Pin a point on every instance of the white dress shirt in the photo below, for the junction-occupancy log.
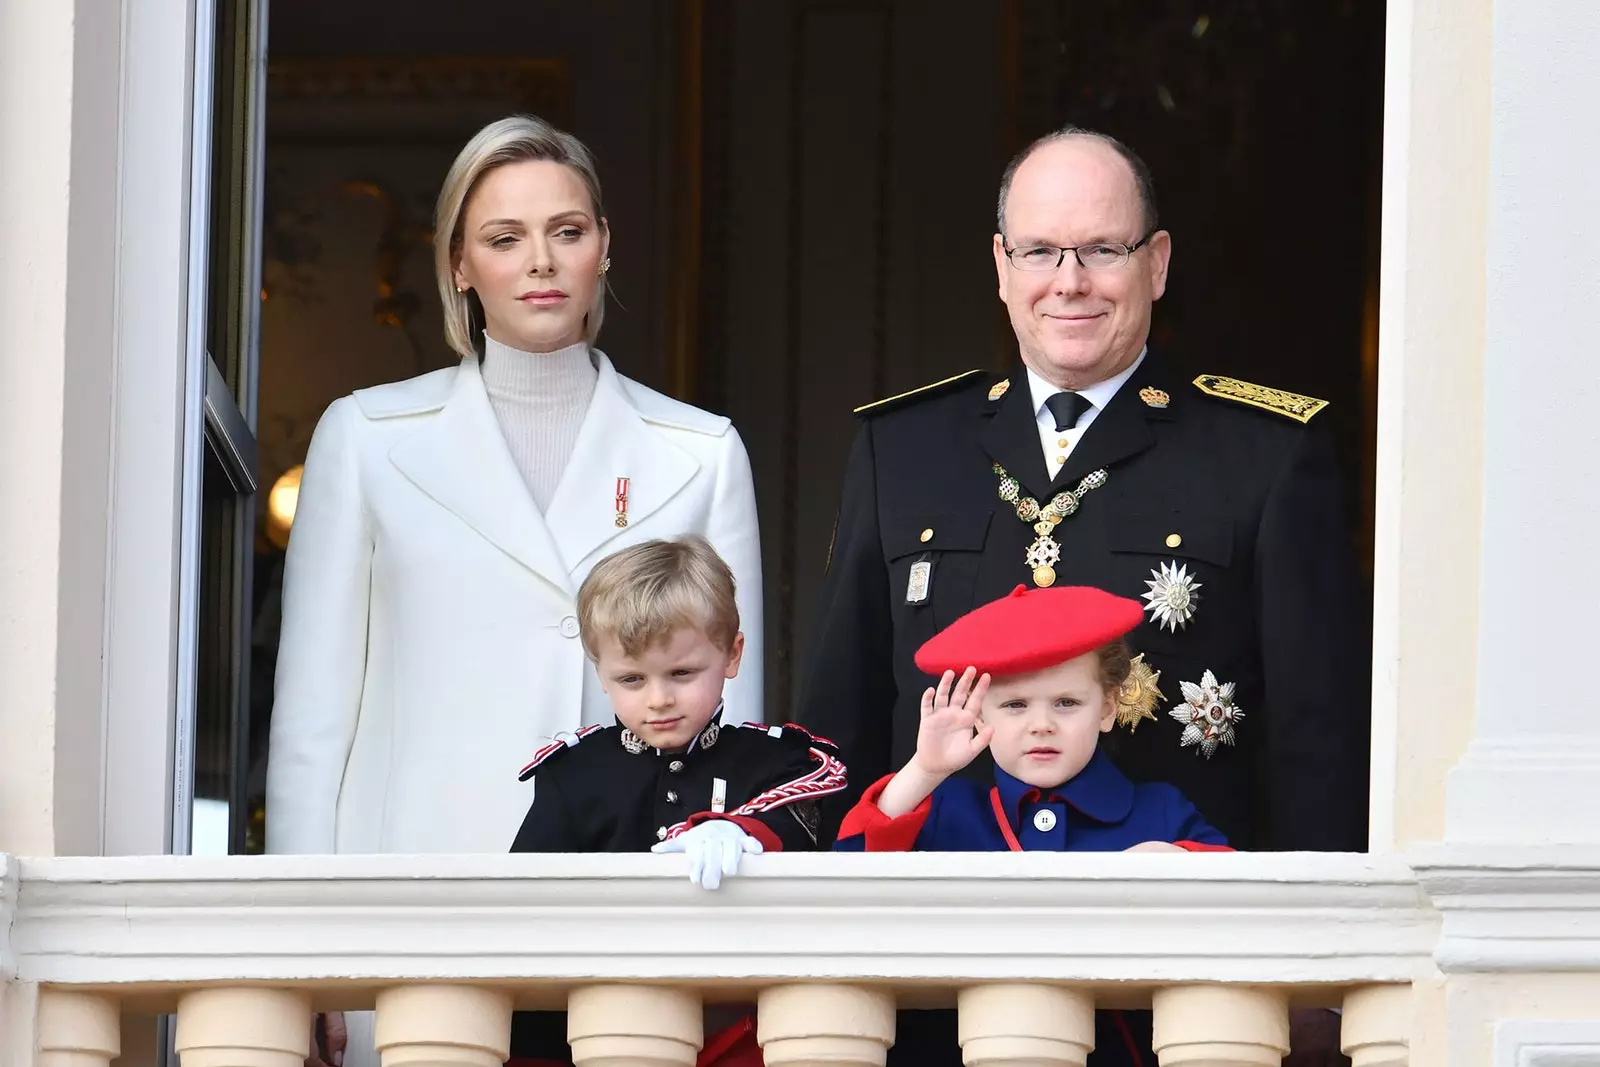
(1058, 444)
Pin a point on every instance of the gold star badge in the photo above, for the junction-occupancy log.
(998, 389)
(1156, 398)
(1140, 694)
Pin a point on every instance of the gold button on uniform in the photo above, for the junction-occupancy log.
(1061, 443)
(927, 535)
(1174, 540)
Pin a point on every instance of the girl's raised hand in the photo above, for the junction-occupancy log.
(950, 735)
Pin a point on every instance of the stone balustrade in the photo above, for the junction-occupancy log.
(822, 948)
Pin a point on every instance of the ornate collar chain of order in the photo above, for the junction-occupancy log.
(1044, 553)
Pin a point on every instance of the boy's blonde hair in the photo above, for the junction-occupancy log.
(641, 595)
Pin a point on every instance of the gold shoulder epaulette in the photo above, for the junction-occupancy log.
(931, 388)
(1281, 401)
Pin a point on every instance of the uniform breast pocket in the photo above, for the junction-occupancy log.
(1180, 565)
(933, 560)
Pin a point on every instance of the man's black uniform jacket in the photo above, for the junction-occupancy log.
(1234, 483)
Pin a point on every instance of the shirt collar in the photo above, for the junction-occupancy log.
(706, 738)
(1099, 791)
(1099, 394)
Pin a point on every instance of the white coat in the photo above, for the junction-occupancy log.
(430, 637)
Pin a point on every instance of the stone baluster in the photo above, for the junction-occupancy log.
(1025, 1025)
(634, 1026)
(1376, 1028)
(1220, 1026)
(243, 1026)
(816, 1025)
(78, 1029)
(438, 1025)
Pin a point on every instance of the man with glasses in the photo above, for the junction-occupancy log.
(1215, 501)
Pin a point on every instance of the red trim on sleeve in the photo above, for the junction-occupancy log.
(1201, 846)
(758, 830)
(881, 833)
(754, 827)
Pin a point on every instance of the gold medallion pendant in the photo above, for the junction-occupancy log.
(1045, 552)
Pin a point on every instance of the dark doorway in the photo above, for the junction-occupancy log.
(802, 198)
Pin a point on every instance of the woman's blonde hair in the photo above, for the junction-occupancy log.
(516, 139)
(643, 594)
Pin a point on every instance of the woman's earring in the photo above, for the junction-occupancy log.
(459, 289)
(605, 265)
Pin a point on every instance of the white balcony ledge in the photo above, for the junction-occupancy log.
(143, 927)
(946, 919)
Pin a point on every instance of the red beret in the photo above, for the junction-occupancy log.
(1029, 630)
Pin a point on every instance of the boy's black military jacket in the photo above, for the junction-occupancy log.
(1245, 500)
(603, 790)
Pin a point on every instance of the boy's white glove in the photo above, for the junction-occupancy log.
(713, 848)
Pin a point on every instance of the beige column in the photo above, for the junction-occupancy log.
(78, 1029)
(634, 1026)
(243, 1026)
(443, 1026)
(1376, 1028)
(1025, 1025)
(1220, 1026)
(832, 1025)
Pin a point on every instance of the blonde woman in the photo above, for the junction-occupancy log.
(430, 632)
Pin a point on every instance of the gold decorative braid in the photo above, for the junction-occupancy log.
(1281, 401)
(919, 389)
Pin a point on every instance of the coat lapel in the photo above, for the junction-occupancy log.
(1012, 437)
(614, 442)
(460, 459)
(1121, 430)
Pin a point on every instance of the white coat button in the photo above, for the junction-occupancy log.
(661, 833)
(672, 796)
(569, 626)
(1044, 820)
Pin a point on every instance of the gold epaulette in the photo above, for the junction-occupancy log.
(1280, 401)
(893, 401)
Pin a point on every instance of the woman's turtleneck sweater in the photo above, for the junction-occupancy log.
(539, 399)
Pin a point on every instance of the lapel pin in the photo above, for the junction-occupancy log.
(622, 502)
(998, 389)
(1156, 398)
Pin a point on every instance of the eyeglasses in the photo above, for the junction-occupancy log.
(1099, 256)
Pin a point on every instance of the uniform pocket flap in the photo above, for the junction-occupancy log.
(963, 531)
(1176, 535)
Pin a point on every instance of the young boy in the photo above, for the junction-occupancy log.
(1042, 672)
(660, 623)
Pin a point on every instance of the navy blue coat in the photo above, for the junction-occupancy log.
(1099, 810)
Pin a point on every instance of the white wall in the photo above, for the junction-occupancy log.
(36, 86)
(1536, 748)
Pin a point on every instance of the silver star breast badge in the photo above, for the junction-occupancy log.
(1173, 596)
(1208, 714)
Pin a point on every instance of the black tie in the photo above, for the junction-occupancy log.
(1066, 407)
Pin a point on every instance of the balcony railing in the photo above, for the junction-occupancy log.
(244, 950)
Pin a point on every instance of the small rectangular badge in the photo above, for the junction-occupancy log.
(921, 578)
(719, 796)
